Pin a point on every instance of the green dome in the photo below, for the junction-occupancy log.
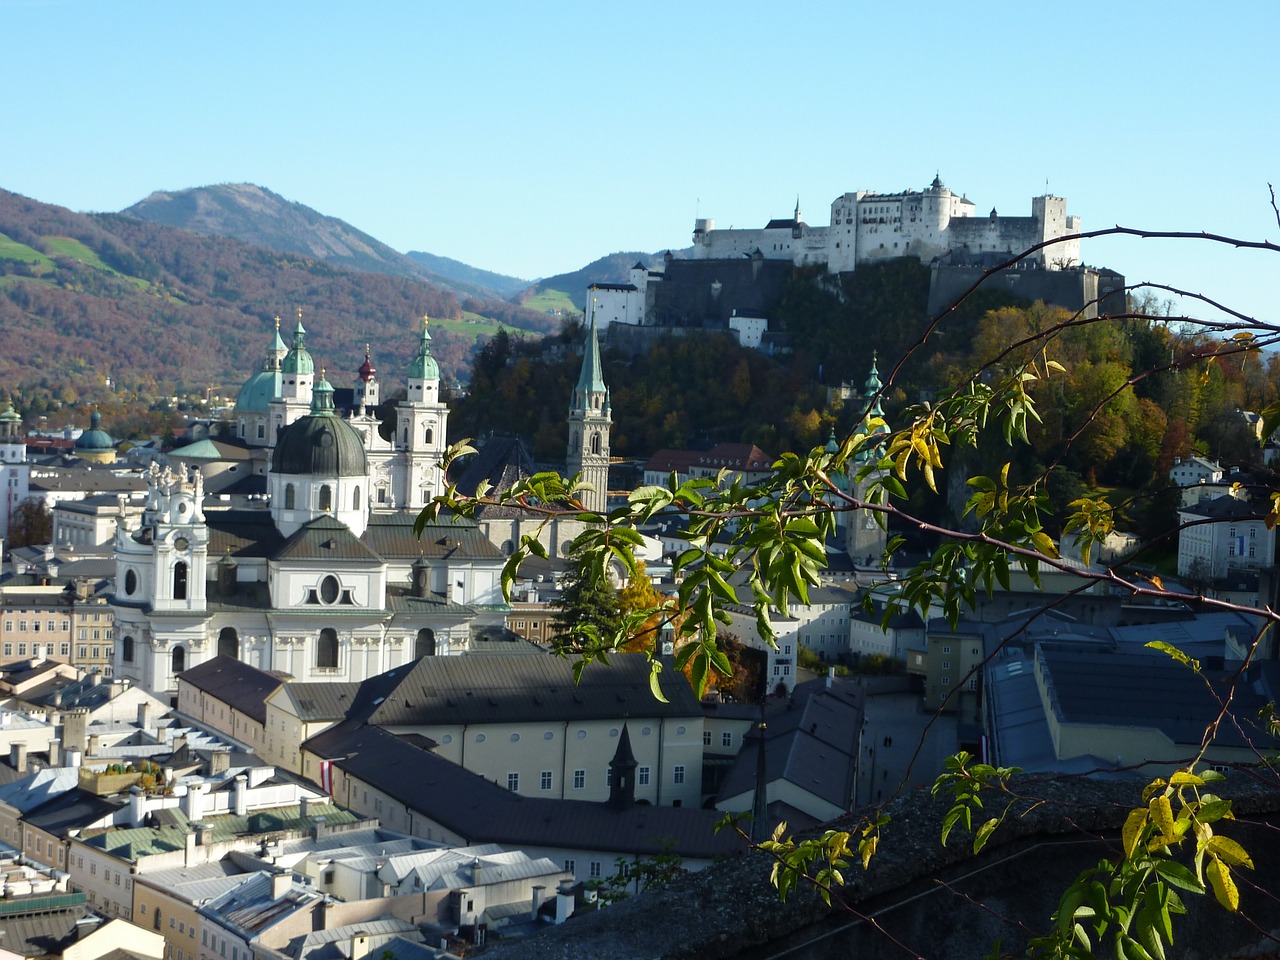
(321, 444)
(424, 366)
(7, 412)
(95, 439)
(258, 392)
(297, 360)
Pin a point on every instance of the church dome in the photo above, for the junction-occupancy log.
(320, 444)
(258, 392)
(95, 439)
(7, 413)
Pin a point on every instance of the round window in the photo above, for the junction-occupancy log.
(582, 734)
(130, 583)
(329, 589)
(447, 739)
(515, 738)
(479, 738)
(548, 735)
(647, 730)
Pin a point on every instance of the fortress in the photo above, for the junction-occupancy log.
(933, 225)
(734, 279)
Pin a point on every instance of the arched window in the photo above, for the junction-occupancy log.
(406, 436)
(428, 435)
(178, 660)
(595, 443)
(326, 498)
(425, 644)
(180, 580)
(355, 499)
(126, 650)
(228, 642)
(327, 649)
(290, 496)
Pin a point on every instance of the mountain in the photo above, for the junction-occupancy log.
(448, 269)
(258, 216)
(121, 311)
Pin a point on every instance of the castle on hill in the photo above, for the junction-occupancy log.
(930, 225)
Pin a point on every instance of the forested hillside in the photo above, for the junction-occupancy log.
(159, 311)
(1096, 430)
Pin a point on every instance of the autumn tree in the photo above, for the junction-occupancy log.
(31, 524)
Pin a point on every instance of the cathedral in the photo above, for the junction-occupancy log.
(327, 580)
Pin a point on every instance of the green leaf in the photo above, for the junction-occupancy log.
(984, 834)
(655, 686)
(1178, 875)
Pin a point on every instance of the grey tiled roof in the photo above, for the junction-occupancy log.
(321, 701)
(391, 535)
(476, 810)
(239, 685)
(326, 539)
(515, 689)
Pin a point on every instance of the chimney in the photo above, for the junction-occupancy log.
(75, 729)
(189, 852)
(539, 891)
(95, 744)
(475, 872)
(137, 807)
(317, 829)
(95, 678)
(302, 808)
(74, 757)
(240, 796)
(219, 762)
(564, 901)
(359, 946)
(55, 753)
(144, 716)
(18, 757)
(421, 578)
(203, 834)
(831, 676)
(192, 803)
(281, 883)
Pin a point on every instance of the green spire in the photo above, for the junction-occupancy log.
(298, 360)
(424, 366)
(590, 379)
(322, 398)
(873, 388)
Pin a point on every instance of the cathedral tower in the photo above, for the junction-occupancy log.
(865, 539)
(421, 421)
(589, 422)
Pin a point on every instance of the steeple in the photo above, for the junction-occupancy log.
(622, 774)
(322, 398)
(797, 214)
(422, 421)
(275, 355)
(589, 422)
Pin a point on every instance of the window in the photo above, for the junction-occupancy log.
(327, 649)
(8, 650)
(678, 774)
(570, 866)
(946, 649)
(726, 739)
(595, 868)
(330, 589)
(8, 626)
(290, 496)
(425, 643)
(946, 681)
(642, 776)
(180, 580)
(706, 738)
(228, 642)
(946, 664)
(326, 498)
(22, 626)
(126, 652)
(64, 649)
(579, 781)
(513, 782)
(355, 499)
(178, 661)
(546, 780)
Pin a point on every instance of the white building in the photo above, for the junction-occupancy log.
(933, 224)
(1223, 534)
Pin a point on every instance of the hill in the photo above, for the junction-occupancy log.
(256, 215)
(156, 311)
(455, 271)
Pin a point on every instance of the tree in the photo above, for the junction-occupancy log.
(587, 610)
(31, 524)
(1177, 833)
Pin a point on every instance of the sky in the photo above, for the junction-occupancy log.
(531, 138)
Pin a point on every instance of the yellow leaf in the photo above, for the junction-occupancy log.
(1230, 851)
(1157, 583)
(1224, 888)
(1132, 832)
(1162, 814)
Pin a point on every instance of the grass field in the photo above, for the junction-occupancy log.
(10, 249)
(555, 302)
(471, 325)
(75, 250)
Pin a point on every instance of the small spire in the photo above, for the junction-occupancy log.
(590, 379)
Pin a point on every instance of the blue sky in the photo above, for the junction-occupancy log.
(530, 138)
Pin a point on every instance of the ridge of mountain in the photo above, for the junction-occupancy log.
(455, 271)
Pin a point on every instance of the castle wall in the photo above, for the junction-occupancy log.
(1080, 288)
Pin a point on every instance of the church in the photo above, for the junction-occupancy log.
(326, 579)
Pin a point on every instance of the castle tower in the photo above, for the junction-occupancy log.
(865, 539)
(590, 418)
(422, 420)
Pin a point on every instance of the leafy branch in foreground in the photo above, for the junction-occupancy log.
(764, 545)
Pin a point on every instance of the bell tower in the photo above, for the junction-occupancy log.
(590, 419)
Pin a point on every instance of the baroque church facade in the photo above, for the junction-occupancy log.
(329, 581)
